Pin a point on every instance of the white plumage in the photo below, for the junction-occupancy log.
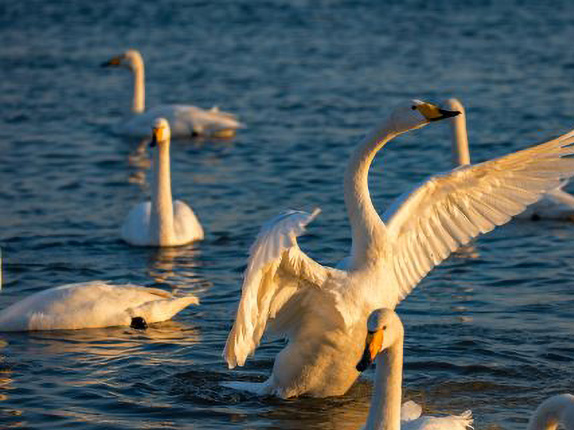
(185, 121)
(161, 221)
(91, 305)
(322, 310)
(556, 204)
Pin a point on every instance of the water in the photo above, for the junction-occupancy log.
(309, 78)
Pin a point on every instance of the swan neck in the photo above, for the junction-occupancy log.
(138, 104)
(161, 217)
(385, 410)
(460, 149)
(364, 219)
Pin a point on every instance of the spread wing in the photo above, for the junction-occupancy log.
(448, 210)
(276, 284)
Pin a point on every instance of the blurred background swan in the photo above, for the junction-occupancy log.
(92, 305)
(161, 221)
(185, 120)
(556, 204)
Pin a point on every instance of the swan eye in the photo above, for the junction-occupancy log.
(413, 107)
(384, 327)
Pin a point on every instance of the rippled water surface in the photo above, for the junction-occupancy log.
(492, 333)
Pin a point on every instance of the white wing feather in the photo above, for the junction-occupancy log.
(449, 210)
(277, 270)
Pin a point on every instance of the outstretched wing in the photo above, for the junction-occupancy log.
(278, 272)
(449, 210)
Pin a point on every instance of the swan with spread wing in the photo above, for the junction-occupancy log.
(322, 311)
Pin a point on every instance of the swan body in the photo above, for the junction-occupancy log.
(556, 204)
(161, 222)
(323, 310)
(185, 121)
(92, 305)
(385, 338)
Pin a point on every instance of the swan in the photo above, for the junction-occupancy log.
(385, 336)
(556, 204)
(161, 222)
(323, 310)
(93, 304)
(384, 344)
(186, 121)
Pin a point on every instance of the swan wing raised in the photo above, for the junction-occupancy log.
(277, 285)
(448, 210)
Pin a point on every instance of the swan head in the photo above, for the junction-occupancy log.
(418, 114)
(384, 329)
(131, 59)
(161, 133)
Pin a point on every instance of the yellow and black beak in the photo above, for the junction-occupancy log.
(372, 348)
(154, 137)
(434, 113)
(113, 62)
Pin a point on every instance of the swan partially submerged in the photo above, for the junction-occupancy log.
(323, 310)
(186, 121)
(384, 344)
(161, 221)
(93, 304)
(556, 204)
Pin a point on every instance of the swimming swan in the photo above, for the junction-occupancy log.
(556, 204)
(323, 310)
(92, 305)
(385, 336)
(161, 222)
(185, 121)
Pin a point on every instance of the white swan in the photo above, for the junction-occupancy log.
(553, 412)
(322, 310)
(185, 121)
(161, 222)
(92, 305)
(385, 336)
(556, 204)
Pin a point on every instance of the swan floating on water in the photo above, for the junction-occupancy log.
(93, 304)
(161, 222)
(323, 310)
(385, 338)
(185, 121)
(556, 204)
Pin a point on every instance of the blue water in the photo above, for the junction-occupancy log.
(491, 333)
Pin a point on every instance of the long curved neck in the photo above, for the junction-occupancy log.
(385, 410)
(138, 104)
(366, 225)
(460, 150)
(553, 412)
(161, 216)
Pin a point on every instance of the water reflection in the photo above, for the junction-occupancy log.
(139, 162)
(177, 267)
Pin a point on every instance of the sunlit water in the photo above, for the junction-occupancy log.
(491, 333)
